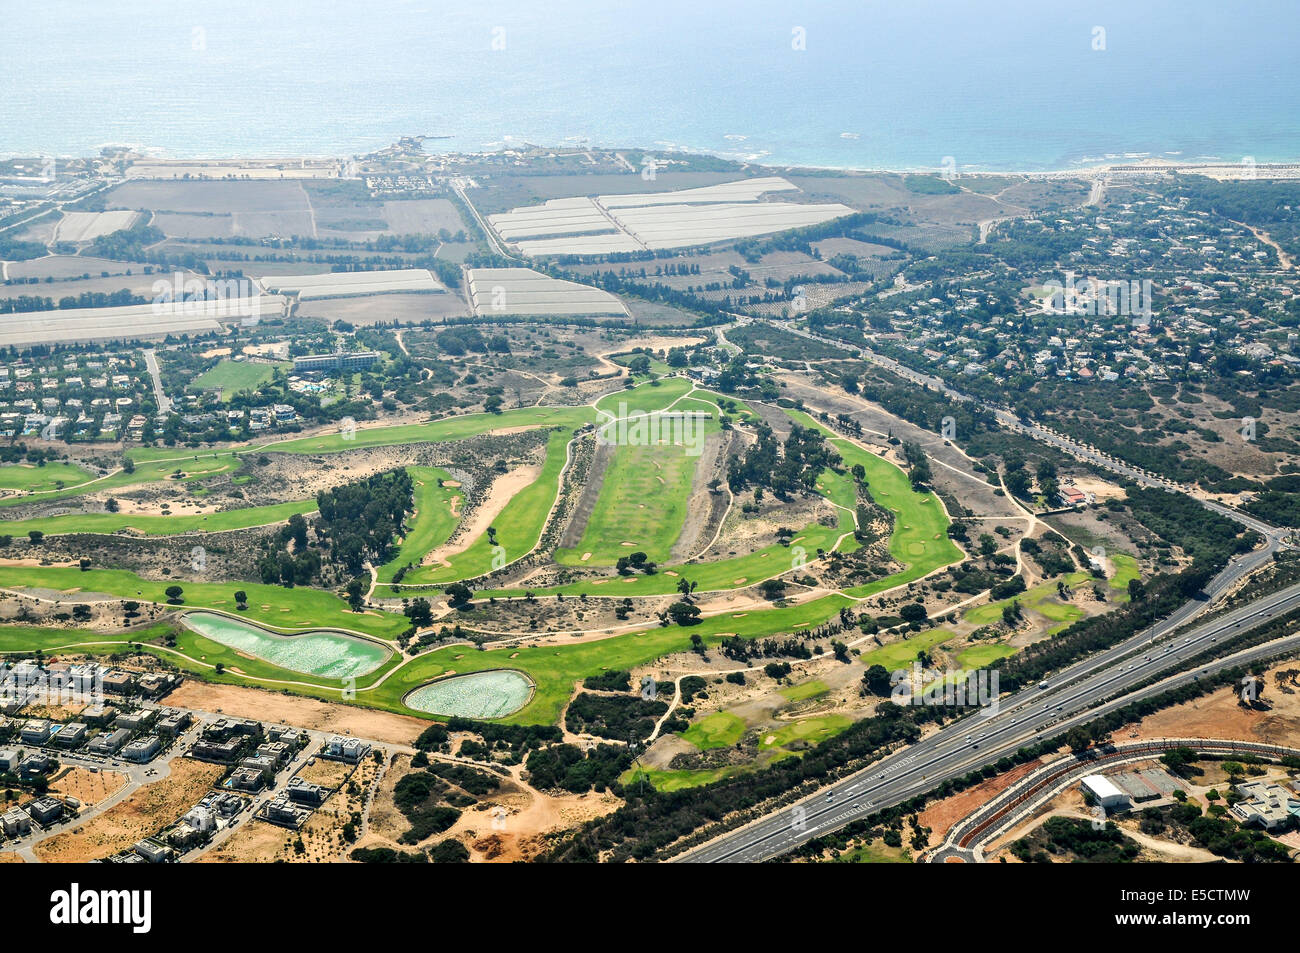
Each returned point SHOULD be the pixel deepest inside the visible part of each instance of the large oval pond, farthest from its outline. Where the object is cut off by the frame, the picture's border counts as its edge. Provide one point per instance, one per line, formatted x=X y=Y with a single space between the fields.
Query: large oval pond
x=480 y=695
x=324 y=653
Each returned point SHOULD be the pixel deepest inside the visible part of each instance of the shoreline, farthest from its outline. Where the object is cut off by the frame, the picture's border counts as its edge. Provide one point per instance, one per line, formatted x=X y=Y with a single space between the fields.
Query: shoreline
x=1129 y=163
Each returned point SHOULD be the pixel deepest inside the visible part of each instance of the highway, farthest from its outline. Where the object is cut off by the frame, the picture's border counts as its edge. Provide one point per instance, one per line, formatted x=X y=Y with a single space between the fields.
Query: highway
x=1073 y=696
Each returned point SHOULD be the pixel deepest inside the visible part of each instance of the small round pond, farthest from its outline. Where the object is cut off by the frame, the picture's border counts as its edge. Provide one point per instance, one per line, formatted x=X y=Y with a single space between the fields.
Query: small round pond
x=324 y=653
x=492 y=694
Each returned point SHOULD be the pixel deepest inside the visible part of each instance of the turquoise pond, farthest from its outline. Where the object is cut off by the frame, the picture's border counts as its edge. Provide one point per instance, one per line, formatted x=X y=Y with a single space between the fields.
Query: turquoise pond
x=480 y=695
x=320 y=652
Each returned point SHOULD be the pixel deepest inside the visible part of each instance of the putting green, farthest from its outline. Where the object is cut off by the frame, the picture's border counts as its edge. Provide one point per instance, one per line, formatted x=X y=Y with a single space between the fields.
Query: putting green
x=718 y=730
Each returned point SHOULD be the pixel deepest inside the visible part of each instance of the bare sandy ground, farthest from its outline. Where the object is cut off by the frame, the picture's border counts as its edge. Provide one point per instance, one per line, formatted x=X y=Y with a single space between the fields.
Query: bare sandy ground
x=86 y=787
x=298 y=711
x=142 y=814
x=1219 y=715
x=502 y=491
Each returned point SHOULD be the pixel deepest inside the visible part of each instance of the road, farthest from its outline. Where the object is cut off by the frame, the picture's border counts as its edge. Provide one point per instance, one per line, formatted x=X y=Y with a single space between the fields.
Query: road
x=151 y=363
x=1078 y=694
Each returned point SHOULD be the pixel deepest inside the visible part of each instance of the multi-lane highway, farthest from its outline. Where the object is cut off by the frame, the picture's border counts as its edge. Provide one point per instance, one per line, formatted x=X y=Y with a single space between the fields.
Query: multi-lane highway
x=1073 y=696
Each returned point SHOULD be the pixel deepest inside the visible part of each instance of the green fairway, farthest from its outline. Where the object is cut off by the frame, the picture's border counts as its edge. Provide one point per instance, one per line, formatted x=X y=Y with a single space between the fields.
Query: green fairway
x=231 y=377
x=432 y=522
x=641 y=507
x=28 y=478
x=451 y=428
x=920 y=538
x=981 y=656
x=519 y=525
x=808 y=730
x=1042 y=599
x=718 y=730
x=274 y=606
x=178 y=466
x=796 y=693
x=159 y=525
x=1126 y=569
x=900 y=654
x=644 y=398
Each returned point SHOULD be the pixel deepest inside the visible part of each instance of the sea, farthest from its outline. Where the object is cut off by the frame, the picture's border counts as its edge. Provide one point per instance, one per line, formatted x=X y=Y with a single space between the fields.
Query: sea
x=966 y=85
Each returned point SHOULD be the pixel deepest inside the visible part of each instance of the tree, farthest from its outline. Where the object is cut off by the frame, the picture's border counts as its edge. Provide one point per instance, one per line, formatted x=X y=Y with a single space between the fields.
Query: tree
x=419 y=612
x=241 y=599
x=877 y=680
x=174 y=594
x=913 y=612
x=683 y=613
x=356 y=593
x=1136 y=590
x=111 y=505
x=35 y=535
x=459 y=594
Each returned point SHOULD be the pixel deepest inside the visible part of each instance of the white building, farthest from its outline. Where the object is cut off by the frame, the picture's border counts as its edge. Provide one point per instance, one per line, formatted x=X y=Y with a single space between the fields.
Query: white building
x=1104 y=792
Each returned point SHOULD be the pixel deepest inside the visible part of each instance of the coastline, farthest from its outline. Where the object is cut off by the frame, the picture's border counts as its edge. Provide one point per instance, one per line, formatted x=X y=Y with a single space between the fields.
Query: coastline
x=1108 y=164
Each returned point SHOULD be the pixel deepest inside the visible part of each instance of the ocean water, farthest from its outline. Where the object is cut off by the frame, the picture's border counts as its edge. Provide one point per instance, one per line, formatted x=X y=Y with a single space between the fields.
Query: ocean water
x=1015 y=84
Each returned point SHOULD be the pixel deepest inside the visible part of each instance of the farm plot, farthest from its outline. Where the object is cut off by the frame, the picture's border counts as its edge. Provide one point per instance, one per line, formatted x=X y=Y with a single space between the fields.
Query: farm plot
x=342 y=284
x=621 y=223
x=522 y=291
x=87 y=226
x=131 y=322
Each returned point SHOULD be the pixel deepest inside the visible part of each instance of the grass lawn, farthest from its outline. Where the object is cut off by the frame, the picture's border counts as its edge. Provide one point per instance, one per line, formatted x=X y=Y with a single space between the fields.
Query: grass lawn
x=718 y=730
x=273 y=606
x=24 y=476
x=877 y=852
x=160 y=525
x=810 y=730
x=980 y=656
x=432 y=522
x=231 y=377
x=903 y=653
x=811 y=689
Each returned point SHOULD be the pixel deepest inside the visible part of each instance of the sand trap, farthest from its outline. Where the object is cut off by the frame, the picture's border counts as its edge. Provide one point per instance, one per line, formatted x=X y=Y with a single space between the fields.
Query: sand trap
x=585 y=557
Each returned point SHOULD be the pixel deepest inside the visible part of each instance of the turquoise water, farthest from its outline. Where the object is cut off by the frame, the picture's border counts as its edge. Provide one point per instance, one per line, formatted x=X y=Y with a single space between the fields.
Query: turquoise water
x=995 y=85
x=321 y=653
x=481 y=695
